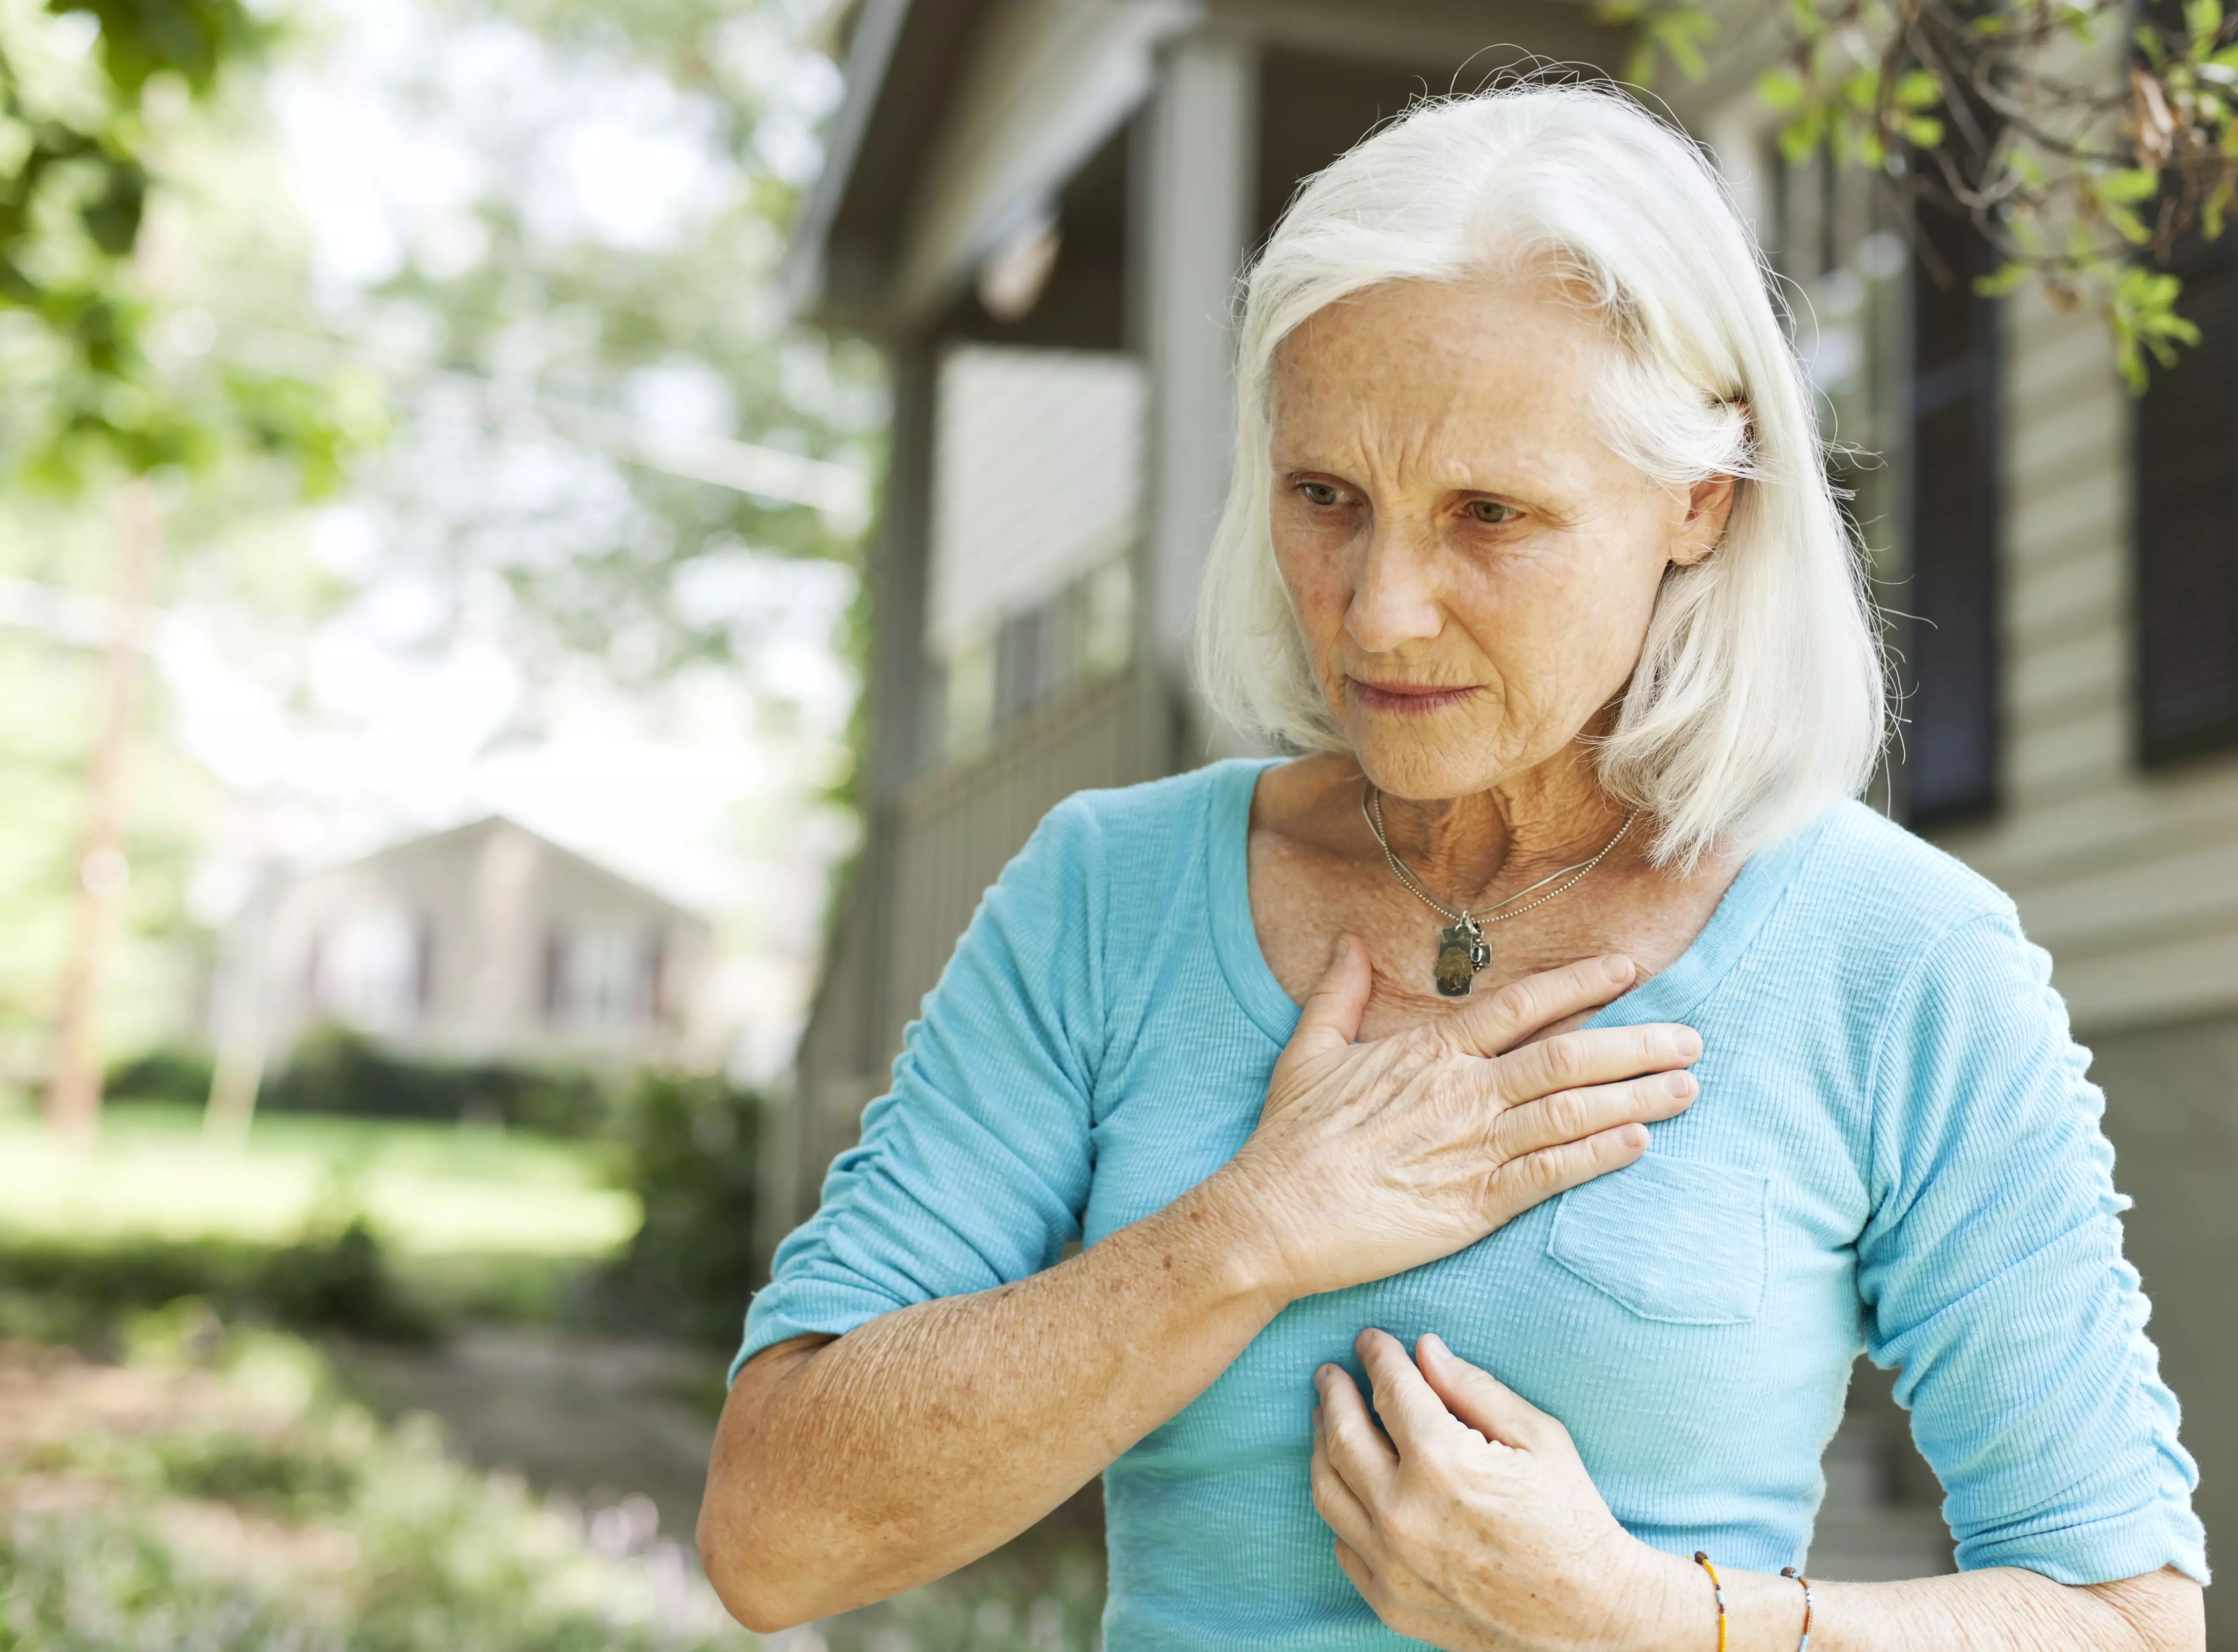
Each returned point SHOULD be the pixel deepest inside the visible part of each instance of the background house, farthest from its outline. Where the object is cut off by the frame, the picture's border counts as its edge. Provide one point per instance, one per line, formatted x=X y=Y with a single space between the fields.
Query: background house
x=486 y=942
x=1039 y=209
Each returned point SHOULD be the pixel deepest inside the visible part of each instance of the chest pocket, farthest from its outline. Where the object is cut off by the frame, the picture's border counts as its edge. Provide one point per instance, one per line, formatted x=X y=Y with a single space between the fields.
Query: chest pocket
x=1673 y=1240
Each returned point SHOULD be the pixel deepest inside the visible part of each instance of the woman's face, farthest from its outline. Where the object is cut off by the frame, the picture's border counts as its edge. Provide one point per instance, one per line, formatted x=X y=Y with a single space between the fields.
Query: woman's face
x=1471 y=567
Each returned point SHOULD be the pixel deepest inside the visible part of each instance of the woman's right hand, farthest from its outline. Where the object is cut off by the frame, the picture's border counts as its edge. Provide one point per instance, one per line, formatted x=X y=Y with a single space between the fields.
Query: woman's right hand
x=1372 y=1159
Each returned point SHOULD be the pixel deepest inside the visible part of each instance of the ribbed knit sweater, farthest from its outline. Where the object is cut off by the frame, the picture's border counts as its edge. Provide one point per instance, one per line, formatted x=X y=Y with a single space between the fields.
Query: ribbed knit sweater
x=1895 y=1150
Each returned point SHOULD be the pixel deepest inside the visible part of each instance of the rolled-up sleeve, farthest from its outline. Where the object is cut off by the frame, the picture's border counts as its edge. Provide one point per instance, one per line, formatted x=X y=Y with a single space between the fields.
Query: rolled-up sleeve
x=1992 y=1275
x=973 y=1169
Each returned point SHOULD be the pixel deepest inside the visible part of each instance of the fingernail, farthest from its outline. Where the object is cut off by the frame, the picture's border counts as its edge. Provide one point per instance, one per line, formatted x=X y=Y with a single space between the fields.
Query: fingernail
x=1687 y=1042
x=1436 y=1344
x=1634 y=1135
x=1680 y=1085
x=1617 y=970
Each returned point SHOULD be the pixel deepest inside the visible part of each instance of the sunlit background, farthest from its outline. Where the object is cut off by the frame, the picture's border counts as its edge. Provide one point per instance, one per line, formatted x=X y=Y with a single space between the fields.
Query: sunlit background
x=482 y=779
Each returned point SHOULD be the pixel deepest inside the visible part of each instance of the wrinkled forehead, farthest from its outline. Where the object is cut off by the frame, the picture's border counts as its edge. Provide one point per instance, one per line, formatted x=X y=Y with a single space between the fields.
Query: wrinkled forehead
x=1432 y=365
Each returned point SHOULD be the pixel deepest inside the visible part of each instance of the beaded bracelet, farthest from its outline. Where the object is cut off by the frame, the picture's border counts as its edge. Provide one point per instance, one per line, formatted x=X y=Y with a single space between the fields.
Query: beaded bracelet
x=1803 y=1645
x=1718 y=1590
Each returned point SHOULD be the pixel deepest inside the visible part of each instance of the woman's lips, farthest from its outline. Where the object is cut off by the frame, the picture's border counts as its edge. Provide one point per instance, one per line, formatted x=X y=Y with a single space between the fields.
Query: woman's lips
x=1407 y=698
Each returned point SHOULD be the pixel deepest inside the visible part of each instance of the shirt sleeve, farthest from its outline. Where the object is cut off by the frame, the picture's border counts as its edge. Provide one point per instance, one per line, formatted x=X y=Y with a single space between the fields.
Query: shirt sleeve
x=973 y=1169
x=1991 y=1273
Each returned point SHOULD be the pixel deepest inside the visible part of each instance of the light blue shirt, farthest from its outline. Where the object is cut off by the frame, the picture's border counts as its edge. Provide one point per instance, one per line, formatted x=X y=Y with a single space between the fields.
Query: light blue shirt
x=1895 y=1150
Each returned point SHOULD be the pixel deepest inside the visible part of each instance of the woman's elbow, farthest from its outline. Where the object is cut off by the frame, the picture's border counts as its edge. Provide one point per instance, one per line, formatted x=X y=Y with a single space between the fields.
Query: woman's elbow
x=749 y=1535
x=758 y=1581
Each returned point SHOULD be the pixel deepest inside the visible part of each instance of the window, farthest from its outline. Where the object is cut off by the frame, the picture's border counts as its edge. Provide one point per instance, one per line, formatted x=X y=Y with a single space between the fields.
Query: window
x=1950 y=744
x=2186 y=567
x=372 y=970
x=1037 y=498
x=601 y=976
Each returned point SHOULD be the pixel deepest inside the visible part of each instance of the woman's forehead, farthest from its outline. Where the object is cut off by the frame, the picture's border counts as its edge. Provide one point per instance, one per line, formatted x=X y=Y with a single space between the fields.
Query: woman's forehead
x=1437 y=367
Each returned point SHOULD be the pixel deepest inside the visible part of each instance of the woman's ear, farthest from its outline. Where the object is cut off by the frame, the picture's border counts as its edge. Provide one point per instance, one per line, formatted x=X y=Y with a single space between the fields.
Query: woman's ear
x=1708 y=504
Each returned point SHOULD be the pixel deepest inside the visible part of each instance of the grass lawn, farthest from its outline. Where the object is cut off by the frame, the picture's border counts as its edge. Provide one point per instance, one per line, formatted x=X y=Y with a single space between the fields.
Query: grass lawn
x=429 y=1189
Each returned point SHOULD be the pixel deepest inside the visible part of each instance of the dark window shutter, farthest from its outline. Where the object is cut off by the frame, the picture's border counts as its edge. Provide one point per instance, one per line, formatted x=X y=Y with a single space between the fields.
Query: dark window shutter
x=1950 y=746
x=655 y=996
x=2187 y=569
x=555 y=974
x=423 y=966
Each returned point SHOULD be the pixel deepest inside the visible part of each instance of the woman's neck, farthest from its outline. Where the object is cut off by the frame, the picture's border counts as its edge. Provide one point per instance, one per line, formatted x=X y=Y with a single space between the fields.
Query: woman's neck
x=1465 y=848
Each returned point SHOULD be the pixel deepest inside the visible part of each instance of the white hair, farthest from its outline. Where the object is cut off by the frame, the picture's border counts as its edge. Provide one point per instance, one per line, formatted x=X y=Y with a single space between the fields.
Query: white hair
x=1758 y=697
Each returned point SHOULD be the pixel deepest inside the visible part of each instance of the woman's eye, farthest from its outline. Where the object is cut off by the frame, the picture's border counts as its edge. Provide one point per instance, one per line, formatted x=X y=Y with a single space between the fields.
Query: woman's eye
x=1491 y=512
x=1320 y=493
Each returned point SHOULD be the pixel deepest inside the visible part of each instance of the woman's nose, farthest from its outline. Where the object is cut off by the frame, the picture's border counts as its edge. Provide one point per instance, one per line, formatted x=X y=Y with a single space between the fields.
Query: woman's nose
x=1394 y=599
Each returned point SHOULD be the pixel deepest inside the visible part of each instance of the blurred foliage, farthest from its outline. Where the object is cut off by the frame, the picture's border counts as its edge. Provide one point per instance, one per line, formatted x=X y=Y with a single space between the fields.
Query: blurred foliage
x=1043 y=1592
x=86 y=125
x=338 y=1279
x=523 y=326
x=2086 y=138
x=457 y=397
x=240 y=1501
x=172 y=1073
x=689 y=1142
x=335 y=1069
x=282 y=1478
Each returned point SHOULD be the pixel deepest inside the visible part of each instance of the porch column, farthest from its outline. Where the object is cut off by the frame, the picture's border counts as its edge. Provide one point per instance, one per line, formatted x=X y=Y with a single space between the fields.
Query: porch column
x=899 y=571
x=1196 y=213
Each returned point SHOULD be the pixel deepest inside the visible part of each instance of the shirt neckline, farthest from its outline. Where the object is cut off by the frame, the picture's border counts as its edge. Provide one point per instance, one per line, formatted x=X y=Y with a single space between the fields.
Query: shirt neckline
x=1670 y=995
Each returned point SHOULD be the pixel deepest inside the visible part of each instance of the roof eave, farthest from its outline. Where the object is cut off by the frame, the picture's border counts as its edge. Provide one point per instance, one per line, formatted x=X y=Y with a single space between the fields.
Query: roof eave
x=870 y=56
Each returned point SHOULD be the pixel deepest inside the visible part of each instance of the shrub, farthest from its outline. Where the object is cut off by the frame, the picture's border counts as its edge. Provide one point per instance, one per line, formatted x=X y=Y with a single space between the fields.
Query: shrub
x=335 y=1280
x=364 y=1538
x=336 y=1069
x=172 y=1073
x=689 y=1143
x=292 y=1478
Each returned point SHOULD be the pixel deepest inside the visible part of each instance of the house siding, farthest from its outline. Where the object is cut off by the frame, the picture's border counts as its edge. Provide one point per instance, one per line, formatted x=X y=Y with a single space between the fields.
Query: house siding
x=2130 y=878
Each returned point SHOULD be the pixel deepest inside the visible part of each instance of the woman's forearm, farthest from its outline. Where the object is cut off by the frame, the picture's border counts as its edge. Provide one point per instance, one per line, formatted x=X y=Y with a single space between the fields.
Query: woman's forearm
x=846 y=1471
x=1998 y=1609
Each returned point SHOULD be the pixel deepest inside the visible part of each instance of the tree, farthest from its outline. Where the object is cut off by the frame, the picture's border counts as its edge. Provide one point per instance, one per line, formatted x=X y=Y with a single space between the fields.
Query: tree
x=91 y=92
x=2085 y=138
x=599 y=350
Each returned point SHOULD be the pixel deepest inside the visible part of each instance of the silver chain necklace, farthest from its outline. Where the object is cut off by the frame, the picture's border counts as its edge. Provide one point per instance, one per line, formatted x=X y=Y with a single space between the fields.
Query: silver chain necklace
x=1462 y=950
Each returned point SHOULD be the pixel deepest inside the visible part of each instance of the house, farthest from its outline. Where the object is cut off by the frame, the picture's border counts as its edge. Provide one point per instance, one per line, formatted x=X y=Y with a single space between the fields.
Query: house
x=1038 y=207
x=486 y=942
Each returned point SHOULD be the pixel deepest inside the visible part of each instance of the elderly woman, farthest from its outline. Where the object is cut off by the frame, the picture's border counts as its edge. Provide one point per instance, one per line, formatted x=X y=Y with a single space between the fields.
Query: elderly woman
x=1642 y=1080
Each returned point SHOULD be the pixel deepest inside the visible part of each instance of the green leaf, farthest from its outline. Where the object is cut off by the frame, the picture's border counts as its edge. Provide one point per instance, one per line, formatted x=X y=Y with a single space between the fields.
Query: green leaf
x=2005 y=281
x=1917 y=89
x=1800 y=138
x=2126 y=184
x=112 y=217
x=2128 y=225
x=1779 y=89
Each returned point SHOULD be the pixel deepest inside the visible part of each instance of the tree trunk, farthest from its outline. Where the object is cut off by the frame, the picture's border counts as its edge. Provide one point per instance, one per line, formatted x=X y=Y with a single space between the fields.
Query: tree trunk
x=73 y=1094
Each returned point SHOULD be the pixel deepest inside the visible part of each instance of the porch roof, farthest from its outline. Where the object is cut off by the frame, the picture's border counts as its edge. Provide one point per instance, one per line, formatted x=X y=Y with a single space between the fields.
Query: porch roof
x=961 y=118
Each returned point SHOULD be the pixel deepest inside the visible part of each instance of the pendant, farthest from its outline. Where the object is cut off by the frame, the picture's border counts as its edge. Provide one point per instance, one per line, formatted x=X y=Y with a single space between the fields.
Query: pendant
x=1462 y=950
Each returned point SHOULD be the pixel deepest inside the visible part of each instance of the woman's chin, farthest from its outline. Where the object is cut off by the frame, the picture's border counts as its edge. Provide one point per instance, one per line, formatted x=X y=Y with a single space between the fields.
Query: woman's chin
x=1411 y=763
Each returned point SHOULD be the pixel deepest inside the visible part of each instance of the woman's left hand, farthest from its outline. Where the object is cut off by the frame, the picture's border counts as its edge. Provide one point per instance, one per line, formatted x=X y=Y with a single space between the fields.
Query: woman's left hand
x=1472 y=1523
